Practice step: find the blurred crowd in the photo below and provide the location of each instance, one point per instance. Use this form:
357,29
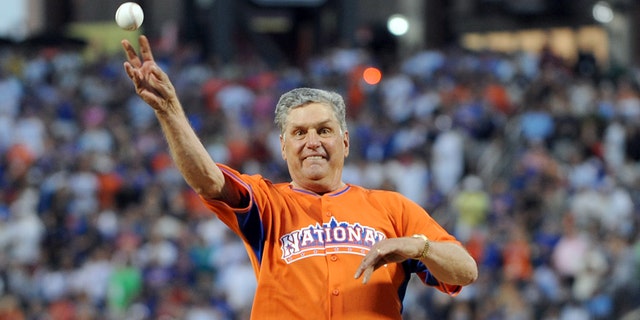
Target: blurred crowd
530,160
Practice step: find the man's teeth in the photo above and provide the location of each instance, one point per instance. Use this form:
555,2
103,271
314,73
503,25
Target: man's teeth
314,158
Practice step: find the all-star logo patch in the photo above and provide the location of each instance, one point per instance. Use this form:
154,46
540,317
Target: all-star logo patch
329,238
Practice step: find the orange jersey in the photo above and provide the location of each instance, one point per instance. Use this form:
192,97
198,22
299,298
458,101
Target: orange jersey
305,248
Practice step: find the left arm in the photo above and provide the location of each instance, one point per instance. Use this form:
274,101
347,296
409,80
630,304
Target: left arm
447,261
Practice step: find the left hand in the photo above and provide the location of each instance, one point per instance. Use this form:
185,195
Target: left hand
394,250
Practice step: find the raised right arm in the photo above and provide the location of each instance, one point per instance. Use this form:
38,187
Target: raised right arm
153,85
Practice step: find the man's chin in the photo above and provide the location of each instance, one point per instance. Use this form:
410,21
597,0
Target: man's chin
314,172
316,184
314,176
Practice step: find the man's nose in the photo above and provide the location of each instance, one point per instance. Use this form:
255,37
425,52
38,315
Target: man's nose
313,139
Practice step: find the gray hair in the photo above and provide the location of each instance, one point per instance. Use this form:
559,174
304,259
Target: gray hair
303,96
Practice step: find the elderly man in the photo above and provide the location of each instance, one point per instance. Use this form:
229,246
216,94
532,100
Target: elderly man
320,248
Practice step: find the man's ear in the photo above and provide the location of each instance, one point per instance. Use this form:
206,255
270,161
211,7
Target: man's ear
345,140
284,157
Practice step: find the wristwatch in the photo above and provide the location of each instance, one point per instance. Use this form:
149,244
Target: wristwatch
427,245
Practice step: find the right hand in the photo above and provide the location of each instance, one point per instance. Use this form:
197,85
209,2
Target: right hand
151,83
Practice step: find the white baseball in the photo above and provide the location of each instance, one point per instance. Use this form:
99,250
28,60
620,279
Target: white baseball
129,16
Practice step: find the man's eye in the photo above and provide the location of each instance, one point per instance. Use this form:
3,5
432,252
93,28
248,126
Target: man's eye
325,131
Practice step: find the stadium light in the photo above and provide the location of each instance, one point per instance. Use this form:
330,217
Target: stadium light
602,12
398,25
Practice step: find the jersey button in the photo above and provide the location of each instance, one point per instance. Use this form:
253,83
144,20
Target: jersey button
334,258
335,292
328,214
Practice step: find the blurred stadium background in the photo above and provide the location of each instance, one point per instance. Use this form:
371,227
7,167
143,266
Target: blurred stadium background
293,30
516,124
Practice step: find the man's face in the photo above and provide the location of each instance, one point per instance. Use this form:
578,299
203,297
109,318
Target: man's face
314,148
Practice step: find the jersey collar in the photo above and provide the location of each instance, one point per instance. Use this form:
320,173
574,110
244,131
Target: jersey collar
334,193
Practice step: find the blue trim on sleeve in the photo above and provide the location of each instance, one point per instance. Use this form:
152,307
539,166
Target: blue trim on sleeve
252,229
249,222
402,290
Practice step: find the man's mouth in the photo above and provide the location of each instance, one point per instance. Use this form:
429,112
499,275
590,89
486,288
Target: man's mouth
314,158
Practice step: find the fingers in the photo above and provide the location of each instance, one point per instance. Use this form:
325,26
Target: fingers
142,69
158,82
372,261
367,275
358,272
152,84
366,271
162,80
132,56
145,49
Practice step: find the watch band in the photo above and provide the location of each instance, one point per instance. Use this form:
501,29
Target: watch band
427,245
